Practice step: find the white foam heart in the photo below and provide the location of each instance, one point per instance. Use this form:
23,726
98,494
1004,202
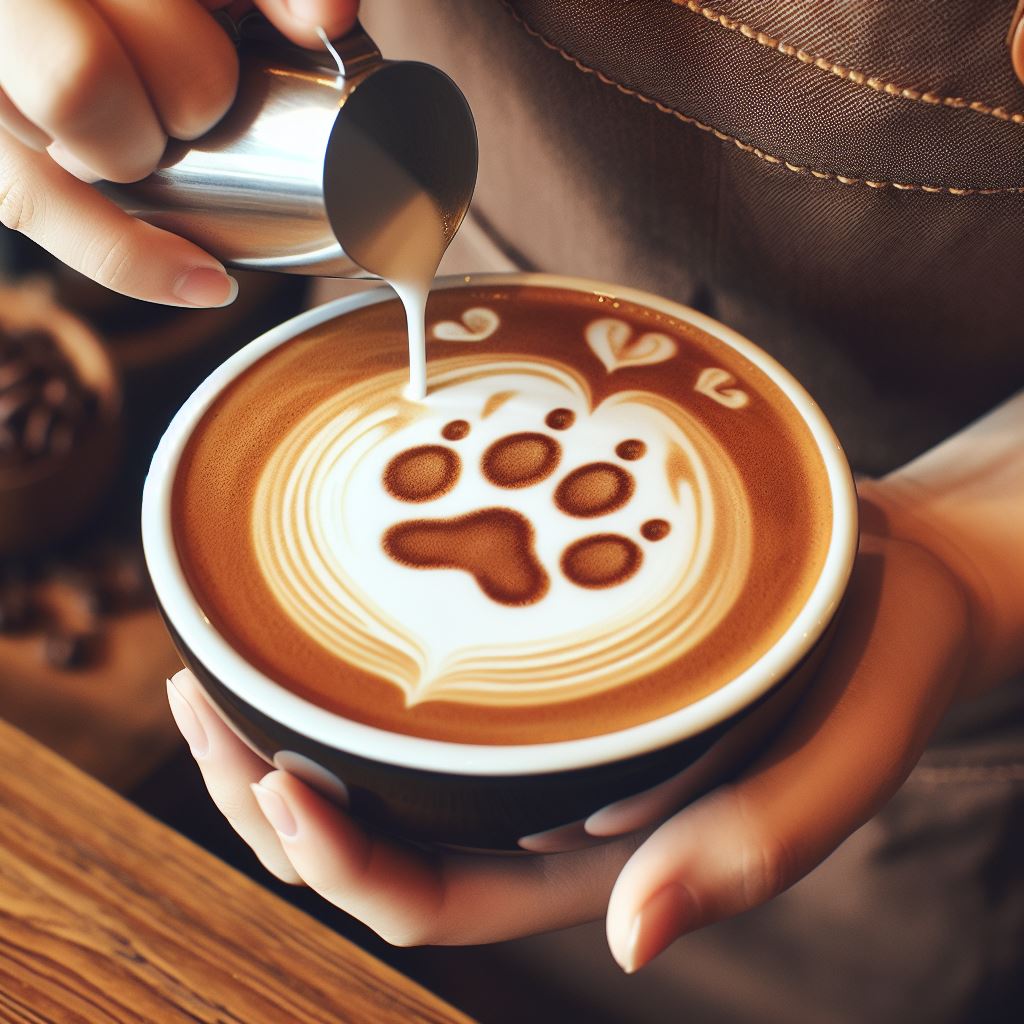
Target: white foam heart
613,343
477,324
715,383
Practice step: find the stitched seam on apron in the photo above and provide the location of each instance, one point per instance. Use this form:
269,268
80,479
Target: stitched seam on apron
747,147
849,74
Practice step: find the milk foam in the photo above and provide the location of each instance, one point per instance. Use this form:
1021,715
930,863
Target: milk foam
396,230
406,250
321,513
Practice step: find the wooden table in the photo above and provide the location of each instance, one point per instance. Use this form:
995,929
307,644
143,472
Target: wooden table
106,915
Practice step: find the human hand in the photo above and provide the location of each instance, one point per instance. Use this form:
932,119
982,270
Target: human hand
93,89
893,668
1016,40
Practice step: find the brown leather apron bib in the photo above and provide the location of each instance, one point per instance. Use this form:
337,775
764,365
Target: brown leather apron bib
841,181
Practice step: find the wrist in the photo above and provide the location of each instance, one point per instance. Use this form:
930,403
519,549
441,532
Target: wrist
903,509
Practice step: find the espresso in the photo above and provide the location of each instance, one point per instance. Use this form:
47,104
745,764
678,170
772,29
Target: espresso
599,514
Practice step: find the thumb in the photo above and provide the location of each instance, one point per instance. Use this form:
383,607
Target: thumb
299,19
888,677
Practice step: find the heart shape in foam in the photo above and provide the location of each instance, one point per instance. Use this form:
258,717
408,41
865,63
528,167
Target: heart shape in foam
613,342
477,324
714,382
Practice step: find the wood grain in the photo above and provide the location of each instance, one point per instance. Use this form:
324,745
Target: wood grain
108,916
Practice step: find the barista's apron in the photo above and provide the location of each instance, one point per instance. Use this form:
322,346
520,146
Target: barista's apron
843,182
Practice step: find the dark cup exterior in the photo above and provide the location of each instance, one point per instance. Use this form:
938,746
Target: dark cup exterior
495,813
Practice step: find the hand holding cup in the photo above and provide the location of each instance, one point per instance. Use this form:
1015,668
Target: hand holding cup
892,669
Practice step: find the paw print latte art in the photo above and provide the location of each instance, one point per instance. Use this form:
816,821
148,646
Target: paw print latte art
597,515
496,545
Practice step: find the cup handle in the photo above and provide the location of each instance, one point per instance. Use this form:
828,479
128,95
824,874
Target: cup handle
358,52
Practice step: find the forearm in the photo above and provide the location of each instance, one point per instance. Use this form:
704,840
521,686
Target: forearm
968,494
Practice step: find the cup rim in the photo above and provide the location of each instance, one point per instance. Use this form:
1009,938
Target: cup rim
230,668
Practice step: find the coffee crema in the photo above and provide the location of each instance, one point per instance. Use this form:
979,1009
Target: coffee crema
599,515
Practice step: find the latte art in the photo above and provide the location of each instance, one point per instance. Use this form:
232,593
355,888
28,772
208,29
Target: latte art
506,567
597,515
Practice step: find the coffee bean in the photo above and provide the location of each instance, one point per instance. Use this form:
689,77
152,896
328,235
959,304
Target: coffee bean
56,391
67,648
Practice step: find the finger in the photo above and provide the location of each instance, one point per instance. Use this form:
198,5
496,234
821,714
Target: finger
89,233
185,60
890,673
66,159
298,19
1016,38
18,125
413,898
229,769
69,75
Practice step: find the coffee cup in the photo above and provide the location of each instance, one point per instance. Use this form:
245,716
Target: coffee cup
572,590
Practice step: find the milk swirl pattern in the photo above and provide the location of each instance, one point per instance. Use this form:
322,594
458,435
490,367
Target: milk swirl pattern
509,542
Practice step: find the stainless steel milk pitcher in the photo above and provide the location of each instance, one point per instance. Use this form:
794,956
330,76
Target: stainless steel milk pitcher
312,158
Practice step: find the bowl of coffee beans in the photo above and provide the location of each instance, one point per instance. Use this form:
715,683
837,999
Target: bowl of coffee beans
59,404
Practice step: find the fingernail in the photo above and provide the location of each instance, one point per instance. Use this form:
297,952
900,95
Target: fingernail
660,921
309,11
63,157
187,721
275,810
206,287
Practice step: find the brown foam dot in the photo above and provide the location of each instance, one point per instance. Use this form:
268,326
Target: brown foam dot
422,473
560,419
594,490
520,460
494,545
455,431
603,560
655,529
631,450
